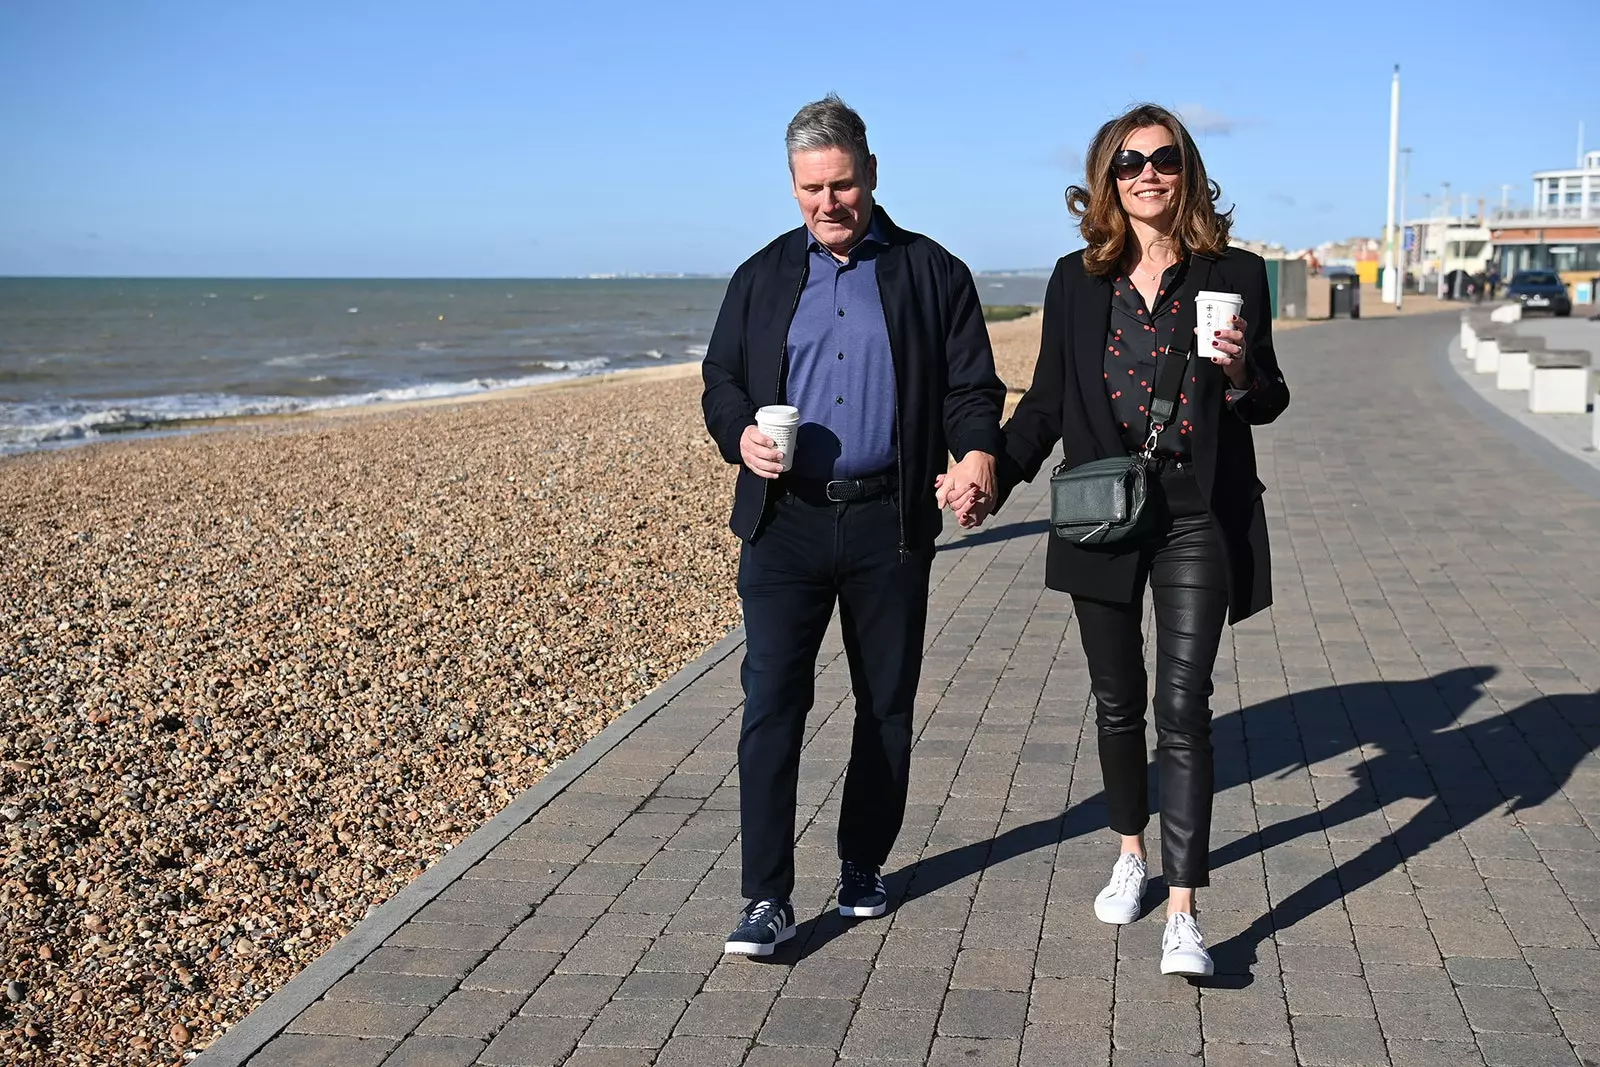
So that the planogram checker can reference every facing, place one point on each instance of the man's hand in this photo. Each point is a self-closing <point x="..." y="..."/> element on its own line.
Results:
<point x="969" y="488"/>
<point x="975" y="473"/>
<point x="755" y="448"/>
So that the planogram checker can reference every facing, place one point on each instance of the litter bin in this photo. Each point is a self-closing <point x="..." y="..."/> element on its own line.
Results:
<point x="1344" y="296"/>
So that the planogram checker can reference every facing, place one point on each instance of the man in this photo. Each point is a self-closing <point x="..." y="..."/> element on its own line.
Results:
<point x="877" y="336"/>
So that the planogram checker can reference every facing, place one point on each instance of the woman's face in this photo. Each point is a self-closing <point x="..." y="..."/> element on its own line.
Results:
<point x="1149" y="195"/>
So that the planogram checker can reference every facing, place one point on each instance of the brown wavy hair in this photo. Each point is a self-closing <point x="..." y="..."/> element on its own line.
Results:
<point x="1101" y="219"/>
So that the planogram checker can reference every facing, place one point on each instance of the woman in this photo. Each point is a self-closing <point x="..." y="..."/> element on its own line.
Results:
<point x="1111" y="314"/>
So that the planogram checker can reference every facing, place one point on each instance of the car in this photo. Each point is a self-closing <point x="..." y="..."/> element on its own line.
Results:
<point x="1539" y="290"/>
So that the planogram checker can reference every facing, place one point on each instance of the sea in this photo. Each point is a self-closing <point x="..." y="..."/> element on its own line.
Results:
<point x="86" y="358"/>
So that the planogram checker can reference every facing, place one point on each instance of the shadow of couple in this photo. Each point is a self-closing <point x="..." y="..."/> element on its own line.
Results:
<point x="1424" y="740"/>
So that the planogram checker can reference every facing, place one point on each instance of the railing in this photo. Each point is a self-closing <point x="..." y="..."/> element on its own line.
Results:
<point x="1572" y="212"/>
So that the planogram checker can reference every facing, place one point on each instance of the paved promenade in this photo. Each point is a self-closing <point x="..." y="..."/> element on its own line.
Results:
<point x="1406" y="866"/>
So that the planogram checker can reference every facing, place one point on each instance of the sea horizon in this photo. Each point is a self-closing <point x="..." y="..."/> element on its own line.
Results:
<point x="84" y="357"/>
<point x="597" y="277"/>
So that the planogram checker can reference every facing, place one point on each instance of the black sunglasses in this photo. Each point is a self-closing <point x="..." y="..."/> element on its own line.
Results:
<point x="1128" y="164"/>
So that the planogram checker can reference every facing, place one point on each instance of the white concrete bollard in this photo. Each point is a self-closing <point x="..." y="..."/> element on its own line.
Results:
<point x="1559" y="384"/>
<point x="1467" y="335"/>
<point x="1506" y="313"/>
<point x="1594" y="432"/>
<point x="1514" y="371"/>
<point x="1486" y="354"/>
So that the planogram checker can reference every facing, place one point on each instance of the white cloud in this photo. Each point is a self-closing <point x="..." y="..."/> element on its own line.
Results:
<point x="1068" y="159"/>
<point x="1204" y="120"/>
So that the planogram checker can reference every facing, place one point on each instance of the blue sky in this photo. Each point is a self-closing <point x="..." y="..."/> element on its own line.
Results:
<point x="536" y="139"/>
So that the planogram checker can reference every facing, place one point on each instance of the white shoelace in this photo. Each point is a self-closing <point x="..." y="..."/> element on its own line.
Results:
<point x="1184" y="932"/>
<point x="1126" y="874"/>
<point x="760" y="912"/>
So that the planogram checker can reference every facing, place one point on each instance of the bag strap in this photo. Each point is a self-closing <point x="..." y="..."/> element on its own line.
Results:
<point x="1172" y="365"/>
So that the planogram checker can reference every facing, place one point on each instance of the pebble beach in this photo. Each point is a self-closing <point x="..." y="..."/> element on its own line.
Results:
<point x="255" y="680"/>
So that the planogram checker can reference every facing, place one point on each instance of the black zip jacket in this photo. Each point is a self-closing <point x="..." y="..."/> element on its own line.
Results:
<point x="947" y="395"/>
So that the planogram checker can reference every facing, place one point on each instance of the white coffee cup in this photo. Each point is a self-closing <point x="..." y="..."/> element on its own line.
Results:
<point x="779" y="422"/>
<point x="1213" y="312"/>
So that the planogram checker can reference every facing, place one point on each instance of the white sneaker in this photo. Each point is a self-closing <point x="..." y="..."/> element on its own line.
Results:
<point x="1183" y="948"/>
<point x="1119" y="902"/>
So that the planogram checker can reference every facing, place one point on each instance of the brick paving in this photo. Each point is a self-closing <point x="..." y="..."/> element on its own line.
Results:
<point x="1407" y="870"/>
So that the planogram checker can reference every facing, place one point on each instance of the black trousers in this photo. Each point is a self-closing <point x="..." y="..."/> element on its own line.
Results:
<point x="808" y="557"/>
<point x="1184" y="565"/>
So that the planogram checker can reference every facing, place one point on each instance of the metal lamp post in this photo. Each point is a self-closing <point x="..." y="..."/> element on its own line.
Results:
<point x="1405" y="253"/>
<point x="1390" y="288"/>
<point x="1444" y="245"/>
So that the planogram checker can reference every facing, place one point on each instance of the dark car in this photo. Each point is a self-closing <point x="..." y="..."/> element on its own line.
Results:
<point x="1539" y="290"/>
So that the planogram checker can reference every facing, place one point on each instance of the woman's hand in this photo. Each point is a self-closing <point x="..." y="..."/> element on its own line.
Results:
<point x="968" y="501"/>
<point x="1228" y="353"/>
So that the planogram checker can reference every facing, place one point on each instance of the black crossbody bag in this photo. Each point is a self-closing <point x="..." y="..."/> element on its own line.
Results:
<point x="1104" y="500"/>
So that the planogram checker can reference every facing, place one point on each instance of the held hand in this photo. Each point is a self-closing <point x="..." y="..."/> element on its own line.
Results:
<point x="755" y="448"/>
<point x="969" y="488"/>
<point x="972" y="515"/>
<point x="968" y="504"/>
<point x="1229" y="353"/>
<point x="948" y="493"/>
<point x="976" y="470"/>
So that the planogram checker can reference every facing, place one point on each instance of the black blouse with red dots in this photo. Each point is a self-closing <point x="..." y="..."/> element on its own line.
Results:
<point x="1137" y="338"/>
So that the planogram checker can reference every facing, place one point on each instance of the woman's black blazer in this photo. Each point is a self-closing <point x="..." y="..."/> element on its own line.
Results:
<point x="1067" y="402"/>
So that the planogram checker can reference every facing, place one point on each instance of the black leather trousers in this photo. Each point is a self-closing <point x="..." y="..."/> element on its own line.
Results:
<point x="1184" y="566"/>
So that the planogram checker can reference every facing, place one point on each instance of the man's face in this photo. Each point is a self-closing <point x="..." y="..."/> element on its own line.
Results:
<point x="835" y="198"/>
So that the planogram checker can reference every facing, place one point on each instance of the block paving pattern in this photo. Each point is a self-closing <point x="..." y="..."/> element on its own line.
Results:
<point x="1406" y="867"/>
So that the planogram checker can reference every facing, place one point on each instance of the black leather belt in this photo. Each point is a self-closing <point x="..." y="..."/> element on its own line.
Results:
<point x="840" y="491"/>
<point x="1165" y="463"/>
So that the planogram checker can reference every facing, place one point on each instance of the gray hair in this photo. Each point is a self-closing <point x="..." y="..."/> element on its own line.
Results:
<point x="828" y="123"/>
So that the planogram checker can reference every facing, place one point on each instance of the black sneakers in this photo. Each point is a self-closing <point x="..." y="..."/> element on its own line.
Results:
<point x="766" y="925"/>
<point x="861" y="892"/>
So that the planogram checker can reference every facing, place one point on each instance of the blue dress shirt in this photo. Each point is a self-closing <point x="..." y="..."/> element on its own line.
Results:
<point x="841" y="371"/>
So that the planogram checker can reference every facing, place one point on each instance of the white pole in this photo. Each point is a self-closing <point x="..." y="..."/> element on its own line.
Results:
<point x="1405" y="256"/>
<point x="1583" y="180"/>
<point x="1444" y="247"/>
<point x="1390" y="289"/>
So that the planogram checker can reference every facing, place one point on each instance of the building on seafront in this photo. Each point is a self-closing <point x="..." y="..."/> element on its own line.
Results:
<point x="1559" y="232"/>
